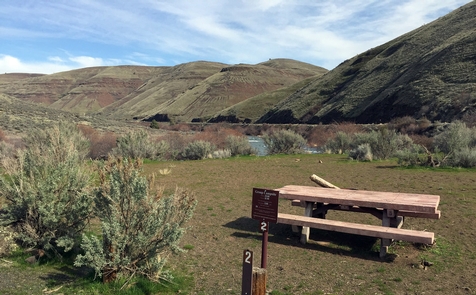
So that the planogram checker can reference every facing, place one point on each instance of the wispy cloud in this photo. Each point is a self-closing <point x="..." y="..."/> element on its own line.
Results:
<point x="168" y="32"/>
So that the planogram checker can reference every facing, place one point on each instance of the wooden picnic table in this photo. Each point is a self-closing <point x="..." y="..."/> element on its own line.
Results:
<point x="390" y="207"/>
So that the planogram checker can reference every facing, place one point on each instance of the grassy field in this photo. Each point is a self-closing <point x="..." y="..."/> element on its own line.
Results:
<point x="331" y="263"/>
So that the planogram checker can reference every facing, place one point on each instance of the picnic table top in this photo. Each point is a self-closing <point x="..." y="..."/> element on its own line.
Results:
<point x="362" y="198"/>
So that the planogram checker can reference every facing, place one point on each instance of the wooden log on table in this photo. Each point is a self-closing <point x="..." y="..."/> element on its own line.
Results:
<point x="322" y="182"/>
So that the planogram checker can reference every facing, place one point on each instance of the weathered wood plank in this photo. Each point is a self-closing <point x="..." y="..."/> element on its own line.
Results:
<point x="435" y="215"/>
<point x="359" y="229"/>
<point x="373" y="199"/>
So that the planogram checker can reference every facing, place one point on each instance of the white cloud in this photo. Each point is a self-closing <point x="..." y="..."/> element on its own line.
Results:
<point x="323" y="32"/>
<point x="11" y="64"/>
<point x="87" y="61"/>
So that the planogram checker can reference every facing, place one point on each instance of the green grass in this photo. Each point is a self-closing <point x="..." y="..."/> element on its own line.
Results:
<point x="331" y="263"/>
<point x="138" y="286"/>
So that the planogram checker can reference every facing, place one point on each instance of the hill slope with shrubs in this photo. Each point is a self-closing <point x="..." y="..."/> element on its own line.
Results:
<point x="428" y="72"/>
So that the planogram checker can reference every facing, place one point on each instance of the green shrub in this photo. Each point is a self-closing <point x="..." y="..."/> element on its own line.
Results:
<point x="6" y="150"/>
<point x="341" y="143"/>
<point x="383" y="143"/>
<point x="135" y="144"/>
<point x="465" y="158"/>
<point x="197" y="150"/>
<point x="454" y="138"/>
<point x="154" y="125"/>
<point x="140" y="225"/>
<point x="386" y="146"/>
<point x="362" y="153"/>
<point x="284" y="142"/>
<point x="46" y="189"/>
<point x="239" y="145"/>
<point x="221" y="154"/>
<point x="412" y="156"/>
<point x="162" y="150"/>
<point x="370" y="138"/>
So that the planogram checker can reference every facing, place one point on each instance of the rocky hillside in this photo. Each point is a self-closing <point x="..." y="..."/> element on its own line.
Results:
<point x="428" y="72"/>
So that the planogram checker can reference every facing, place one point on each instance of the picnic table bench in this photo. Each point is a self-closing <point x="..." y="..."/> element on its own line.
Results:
<point x="390" y="208"/>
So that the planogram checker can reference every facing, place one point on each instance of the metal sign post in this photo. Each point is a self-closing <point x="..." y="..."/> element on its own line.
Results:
<point x="265" y="209"/>
<point x="264" y="244"/>
<point x="247" y="278"/>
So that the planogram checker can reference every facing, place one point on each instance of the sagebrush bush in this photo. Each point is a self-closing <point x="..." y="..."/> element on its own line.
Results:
<point x="135" y="144"/>
<point x="413" y="156"/>
<point x="221" y="154"/>
<point x="6" y="150"/>
<point x="284" y="142"/>
<point x="454" y="138"/>
<point x="341" y="143"/>
<point x="239" y="145"/>
<point x="362" y="153"/>
<point x="48" y="203"/>
<point x="386" y="144"/>
<point x="197" y="150"/>
<point x="140" y="225"/>
<point x="465" y="158"/>
<point x="7" y="241"/>
<point x="162" y="150"/>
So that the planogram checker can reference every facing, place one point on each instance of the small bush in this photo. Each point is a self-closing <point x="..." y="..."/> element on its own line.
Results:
<point x="221" y="154"/>
<point x="140" y="225"/>
<point x="239" y="145"/>
<point x="162" y="150"/>
<point x="135" y="145"/>
<point x="284" y="142"/>
<point x="197" y="150"/>
<point x="7" y="241"/>
<point x="370" y="138"/>
<point x="46" y="189"/>
<point x="154" y="125"/>
<point x="454" y="138"/>
<point x="341" y="143"/>
<point x="362" y="153"/>
<point x="412" y="156"/>
<point x="6" y="150"/>
<point x="465" y="158"/>
<point x="386" y="144"/>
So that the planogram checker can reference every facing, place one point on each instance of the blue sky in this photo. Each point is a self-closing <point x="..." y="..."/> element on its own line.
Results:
<point x="47" y="36"/>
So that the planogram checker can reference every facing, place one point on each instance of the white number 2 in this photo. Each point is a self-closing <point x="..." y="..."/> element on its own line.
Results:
<point x="247" y="257"/>
<point x="264" y="224"/>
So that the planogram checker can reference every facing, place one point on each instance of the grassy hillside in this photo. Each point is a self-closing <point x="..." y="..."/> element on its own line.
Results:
<point x="189" y="91"/>
<point x="79" y="91"/>
<point x="251" y="109"/>
<point x="428" y="72"/>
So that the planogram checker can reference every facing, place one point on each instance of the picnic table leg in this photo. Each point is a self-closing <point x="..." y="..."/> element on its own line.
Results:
<point x="297" y="229"/>
<point x="385" y="242"/>
<point x="305" y="229"/>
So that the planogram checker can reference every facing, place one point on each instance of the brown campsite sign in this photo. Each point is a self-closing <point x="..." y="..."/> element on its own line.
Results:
<point x="265" y="205"/>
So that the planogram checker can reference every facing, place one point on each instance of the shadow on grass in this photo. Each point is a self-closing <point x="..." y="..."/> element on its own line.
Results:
<point x="319" y="240"/>
<point x="66" y="274"/>
<point x="388" y="167"/>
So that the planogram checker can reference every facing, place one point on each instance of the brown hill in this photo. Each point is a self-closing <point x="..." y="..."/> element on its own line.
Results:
<point x="428" y="72"/>
<point x="80" y="91"/>
<point x="195" y="90"/>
